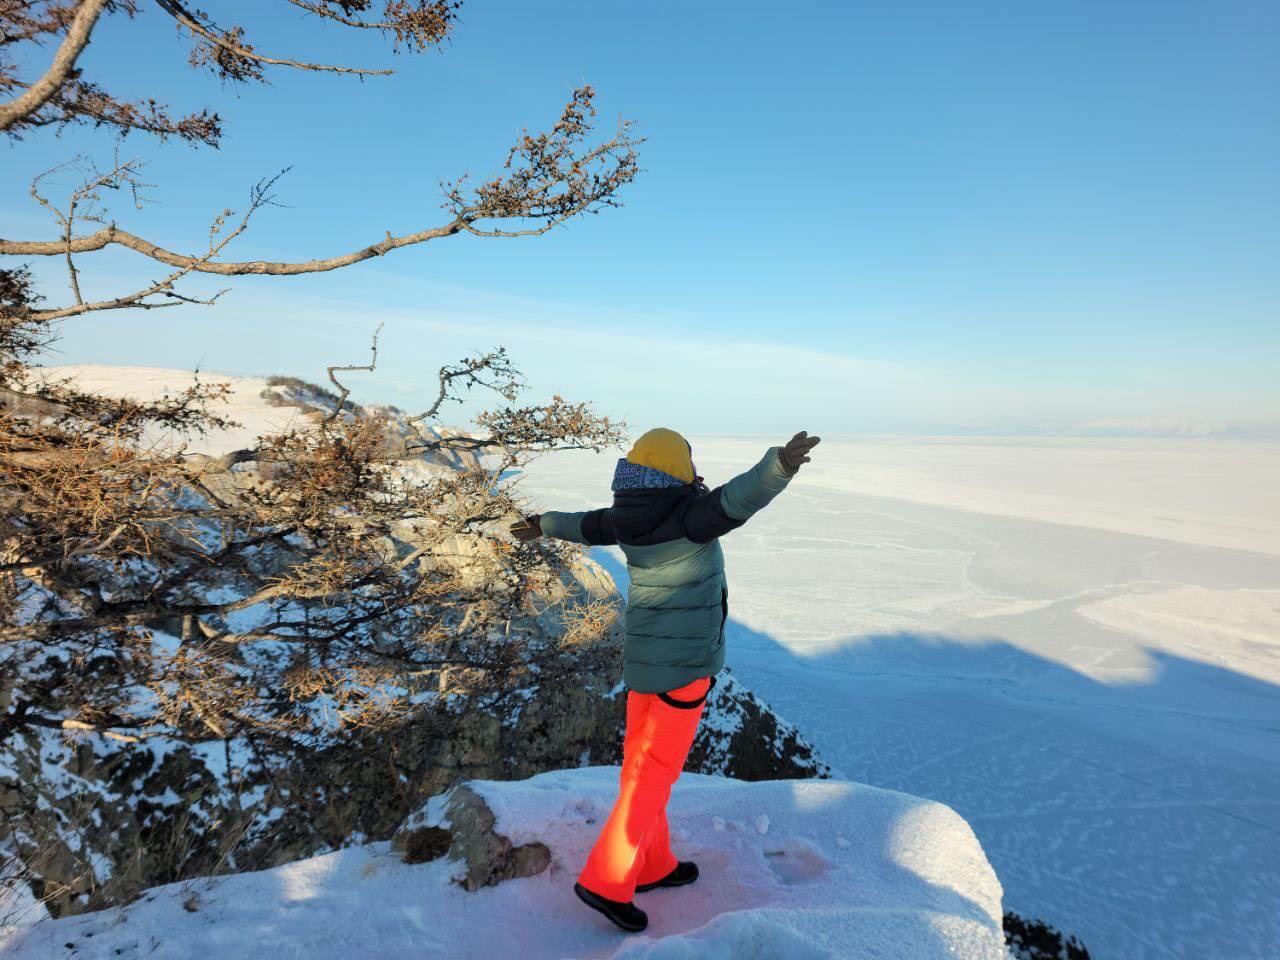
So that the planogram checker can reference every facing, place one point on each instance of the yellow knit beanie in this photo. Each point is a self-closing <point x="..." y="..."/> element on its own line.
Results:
<point x="663" y="450"/>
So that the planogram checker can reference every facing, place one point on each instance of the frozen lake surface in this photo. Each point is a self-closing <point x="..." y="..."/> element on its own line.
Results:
<point x="1074" y="643"/>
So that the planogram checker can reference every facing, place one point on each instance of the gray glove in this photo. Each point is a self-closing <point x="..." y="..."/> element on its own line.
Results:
<point x="797" y="450"/>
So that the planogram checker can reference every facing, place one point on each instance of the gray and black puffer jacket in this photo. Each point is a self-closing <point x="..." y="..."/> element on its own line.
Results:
<point x="678" y="601"/>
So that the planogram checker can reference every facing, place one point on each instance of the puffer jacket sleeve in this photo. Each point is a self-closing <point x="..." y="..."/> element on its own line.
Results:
<point x="729" y="506"/>
<point x="594" y="527"/>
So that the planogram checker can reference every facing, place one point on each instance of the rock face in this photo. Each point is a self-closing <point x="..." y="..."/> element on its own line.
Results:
<point x="1037" y="940"/>
<point x="316" y="403"/>
<point x="741" y="737"/>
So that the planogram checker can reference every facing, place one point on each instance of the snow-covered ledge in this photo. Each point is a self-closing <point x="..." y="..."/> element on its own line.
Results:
<point x="791" y="869"/>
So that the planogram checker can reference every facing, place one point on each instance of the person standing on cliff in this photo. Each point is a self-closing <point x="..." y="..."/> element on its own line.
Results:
<point x="668" y="525"/>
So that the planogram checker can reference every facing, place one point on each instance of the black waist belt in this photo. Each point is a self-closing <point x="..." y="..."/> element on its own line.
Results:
<point x="687" y="704"/>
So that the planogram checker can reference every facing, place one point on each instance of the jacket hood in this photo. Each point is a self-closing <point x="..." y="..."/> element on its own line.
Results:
<point x="634" y="476"/>
<point x="650" y="515"/>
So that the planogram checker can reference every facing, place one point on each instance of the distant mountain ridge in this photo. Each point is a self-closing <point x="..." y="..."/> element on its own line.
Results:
<point x="1155" y="427"/>
<point x="1172" y="428"/>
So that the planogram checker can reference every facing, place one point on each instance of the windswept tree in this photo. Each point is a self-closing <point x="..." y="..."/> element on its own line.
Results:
<point x="309" y="583"/>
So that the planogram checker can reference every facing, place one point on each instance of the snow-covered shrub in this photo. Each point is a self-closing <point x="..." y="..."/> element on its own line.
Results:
<point x="170" y="604"/>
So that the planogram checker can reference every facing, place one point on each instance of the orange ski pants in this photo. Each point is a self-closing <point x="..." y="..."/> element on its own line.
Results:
<point x="634" y="845"/>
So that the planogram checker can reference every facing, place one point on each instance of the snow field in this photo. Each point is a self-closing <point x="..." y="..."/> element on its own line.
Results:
<point x="1073" y="643"/>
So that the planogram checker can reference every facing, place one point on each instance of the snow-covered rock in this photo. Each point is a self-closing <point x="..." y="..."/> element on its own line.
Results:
<point x="911" y="882"/>
<point x="18" y="907"/>
<point x="740" y="736"/>
<point x="253" y="413"/>
<point x="257" y="406"/>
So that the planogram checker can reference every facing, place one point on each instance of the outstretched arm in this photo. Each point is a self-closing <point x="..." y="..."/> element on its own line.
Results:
<point x="592" y="527"/>
<point x="730" y="506"/>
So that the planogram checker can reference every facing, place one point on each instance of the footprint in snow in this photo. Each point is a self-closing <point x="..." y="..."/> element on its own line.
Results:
<point x="798" y="861"/>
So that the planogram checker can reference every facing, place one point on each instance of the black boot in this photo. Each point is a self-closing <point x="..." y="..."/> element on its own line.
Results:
<point x="685" y="872"/>
<point x="626" y="915"/>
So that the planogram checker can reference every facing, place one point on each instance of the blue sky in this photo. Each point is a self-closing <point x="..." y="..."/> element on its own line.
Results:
<point x="853" y="217"/>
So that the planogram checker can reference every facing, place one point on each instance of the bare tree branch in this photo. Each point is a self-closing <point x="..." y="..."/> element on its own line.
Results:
<point x="260" y="196"/>
<point x="419" y="26"/>
<point x="492" y="370"/>
<point x="549" y="178"/>
<point x="64" y="62"/>
<point x="343" y="390"/>
<point x="231" y="46"/>
<point x="22" y="23"/>
<point x="122" y="173"/>
<point x="82" y="102"/>
<point x="115" y="235"/>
